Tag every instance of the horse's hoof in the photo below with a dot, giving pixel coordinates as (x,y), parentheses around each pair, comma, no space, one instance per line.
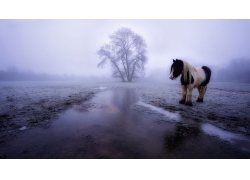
(200,100)
(189,104)
(182,101)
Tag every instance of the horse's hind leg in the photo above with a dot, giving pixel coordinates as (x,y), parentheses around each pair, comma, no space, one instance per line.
(202,90)
(199,99)
(184,93)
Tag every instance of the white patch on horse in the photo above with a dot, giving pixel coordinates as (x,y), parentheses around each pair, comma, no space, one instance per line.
(188,68)
(200,76)
(197,73)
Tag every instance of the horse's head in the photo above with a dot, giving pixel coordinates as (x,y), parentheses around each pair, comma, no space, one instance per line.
(176,69)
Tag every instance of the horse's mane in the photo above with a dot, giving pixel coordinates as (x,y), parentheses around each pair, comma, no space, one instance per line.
(187,68)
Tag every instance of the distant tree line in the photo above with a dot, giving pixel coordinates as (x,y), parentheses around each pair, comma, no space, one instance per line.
(238,70)
(26,76)
(13,74)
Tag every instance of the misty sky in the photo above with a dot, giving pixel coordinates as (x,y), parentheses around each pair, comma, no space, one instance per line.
(70,46)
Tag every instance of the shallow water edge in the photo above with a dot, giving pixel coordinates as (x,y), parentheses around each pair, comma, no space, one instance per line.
(117,124)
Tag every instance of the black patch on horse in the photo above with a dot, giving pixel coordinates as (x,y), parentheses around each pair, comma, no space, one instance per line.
(208,75)
(177,66)
(188,80)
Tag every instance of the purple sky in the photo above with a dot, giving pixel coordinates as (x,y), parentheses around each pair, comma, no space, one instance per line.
(70,46)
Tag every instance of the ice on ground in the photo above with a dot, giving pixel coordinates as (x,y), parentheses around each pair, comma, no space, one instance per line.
(101,88)
(22,128)
(23,102)
(172,116)
(222,134)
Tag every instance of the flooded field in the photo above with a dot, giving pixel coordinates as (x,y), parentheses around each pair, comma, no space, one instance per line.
(123,121)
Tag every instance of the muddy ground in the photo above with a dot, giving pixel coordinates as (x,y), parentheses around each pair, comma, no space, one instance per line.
(36,103)
(34,109)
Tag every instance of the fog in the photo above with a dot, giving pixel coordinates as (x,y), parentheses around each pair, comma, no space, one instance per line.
(14,74)
(56,49)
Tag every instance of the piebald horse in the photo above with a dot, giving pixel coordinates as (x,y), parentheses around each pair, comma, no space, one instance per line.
(190,78)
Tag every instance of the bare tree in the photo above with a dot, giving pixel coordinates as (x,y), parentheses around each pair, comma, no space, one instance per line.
(126,54)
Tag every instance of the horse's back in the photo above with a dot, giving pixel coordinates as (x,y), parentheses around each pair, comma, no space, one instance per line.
(199,76)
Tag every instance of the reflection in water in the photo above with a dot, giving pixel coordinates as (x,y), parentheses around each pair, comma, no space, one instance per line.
(182,134)
(120,98)
(189,129)
(124,98)
(106,127)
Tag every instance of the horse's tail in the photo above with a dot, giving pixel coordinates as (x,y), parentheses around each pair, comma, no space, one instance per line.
(207,71)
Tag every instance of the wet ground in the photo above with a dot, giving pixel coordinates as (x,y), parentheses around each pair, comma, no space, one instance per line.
(116,123)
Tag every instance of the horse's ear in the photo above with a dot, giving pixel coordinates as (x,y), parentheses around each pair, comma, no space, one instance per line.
(173,60)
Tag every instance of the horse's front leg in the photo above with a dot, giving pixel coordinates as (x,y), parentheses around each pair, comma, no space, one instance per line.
(184,93)
(189,95)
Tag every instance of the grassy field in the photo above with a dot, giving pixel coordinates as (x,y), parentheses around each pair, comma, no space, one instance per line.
(28,104)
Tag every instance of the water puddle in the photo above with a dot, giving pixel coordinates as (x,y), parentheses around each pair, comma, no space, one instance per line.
(107,127)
